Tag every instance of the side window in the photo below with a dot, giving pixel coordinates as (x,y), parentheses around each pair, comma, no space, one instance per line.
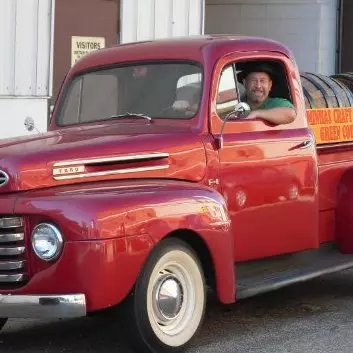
(227,92)
(262,83)
(278,76)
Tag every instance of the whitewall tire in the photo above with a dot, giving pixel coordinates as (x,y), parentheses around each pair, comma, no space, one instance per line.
(168,303)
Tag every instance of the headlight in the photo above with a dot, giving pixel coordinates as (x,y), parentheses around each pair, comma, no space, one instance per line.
(47,241)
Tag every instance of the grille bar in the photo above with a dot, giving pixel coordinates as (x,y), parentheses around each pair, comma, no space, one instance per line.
(12,251)
(11,222)
(13,278)
(11,237)
(13,264)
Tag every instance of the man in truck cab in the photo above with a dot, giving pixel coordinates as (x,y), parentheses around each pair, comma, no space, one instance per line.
(258,79)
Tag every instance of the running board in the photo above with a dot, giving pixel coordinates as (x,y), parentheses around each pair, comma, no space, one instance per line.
(260,276)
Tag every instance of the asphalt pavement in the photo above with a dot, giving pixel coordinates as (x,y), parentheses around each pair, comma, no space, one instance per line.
(316,316)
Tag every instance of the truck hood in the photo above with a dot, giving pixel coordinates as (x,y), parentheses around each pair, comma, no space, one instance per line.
(100,152)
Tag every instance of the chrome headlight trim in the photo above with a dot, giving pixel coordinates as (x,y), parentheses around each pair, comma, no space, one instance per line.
(55,237)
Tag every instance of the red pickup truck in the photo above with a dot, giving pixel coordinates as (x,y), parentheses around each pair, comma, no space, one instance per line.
(150,187)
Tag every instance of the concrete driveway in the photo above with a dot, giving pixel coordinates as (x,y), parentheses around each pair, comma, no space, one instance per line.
(316,316)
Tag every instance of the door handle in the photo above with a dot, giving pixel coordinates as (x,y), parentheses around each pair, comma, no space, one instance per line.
(303,145)
(307,144)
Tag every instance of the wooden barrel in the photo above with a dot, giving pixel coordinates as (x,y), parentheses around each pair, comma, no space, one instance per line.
(346,78)
(324,92)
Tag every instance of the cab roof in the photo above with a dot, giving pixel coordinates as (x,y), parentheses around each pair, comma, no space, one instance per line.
(195,48)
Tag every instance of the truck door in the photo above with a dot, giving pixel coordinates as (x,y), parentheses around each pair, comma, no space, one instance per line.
(268,173)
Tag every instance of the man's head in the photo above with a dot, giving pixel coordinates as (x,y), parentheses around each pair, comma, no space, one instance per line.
(257,80)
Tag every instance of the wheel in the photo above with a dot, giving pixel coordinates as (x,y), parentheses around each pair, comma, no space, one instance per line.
(168,303)
(2,323)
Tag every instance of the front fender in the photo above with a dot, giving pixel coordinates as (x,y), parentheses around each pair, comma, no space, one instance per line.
(148,210)
(186,206)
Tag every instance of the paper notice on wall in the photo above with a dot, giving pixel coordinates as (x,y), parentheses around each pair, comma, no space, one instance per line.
(81,46)
(332,124)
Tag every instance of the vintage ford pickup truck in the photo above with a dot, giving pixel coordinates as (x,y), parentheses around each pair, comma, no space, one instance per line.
(152,186)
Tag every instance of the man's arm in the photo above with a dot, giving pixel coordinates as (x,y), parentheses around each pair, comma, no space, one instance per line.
(277,116)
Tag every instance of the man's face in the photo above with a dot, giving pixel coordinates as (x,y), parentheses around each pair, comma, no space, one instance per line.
(258,86)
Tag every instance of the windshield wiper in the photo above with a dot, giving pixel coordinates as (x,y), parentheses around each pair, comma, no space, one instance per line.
(131,115)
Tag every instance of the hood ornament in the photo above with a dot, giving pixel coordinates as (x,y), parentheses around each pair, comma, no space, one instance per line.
(4,178)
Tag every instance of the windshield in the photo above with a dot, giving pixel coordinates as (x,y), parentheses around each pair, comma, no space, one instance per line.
(158,90)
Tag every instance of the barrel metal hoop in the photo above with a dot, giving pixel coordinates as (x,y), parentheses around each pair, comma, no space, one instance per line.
(346,90)
(308,97)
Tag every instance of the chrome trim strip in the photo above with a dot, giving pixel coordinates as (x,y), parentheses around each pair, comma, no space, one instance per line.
(11,237)
(18,277)
(334,145)
(10,251)
(111,159)
(12,265)
(43,306)
(111,172)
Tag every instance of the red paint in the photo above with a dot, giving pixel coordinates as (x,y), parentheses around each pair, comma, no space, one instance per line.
(262,163)
(32,161)
(80,269)
(120,222)
(279,198)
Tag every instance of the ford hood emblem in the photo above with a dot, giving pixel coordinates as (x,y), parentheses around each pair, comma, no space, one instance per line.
(4,178)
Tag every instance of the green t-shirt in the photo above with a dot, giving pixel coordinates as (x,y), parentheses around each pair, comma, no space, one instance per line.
(270,103)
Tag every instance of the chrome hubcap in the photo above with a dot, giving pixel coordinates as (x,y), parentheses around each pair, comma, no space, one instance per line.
(175,298)
(168,298)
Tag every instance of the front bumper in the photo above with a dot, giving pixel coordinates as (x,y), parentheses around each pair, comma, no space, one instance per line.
(42,306)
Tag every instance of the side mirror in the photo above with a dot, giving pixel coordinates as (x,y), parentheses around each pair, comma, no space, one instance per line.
(30,125)
(241,109)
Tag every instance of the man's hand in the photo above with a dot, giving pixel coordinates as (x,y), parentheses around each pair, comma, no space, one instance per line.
(275,116)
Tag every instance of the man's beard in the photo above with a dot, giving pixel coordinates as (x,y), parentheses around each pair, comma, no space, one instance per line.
(257,98)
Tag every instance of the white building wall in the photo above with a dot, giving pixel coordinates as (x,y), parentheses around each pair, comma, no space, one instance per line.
(307,27)
(25,63)
(154,19)
(25,34)
(14,111)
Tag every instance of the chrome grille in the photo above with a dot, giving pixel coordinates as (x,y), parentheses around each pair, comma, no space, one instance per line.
(13,264)
(4,178)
